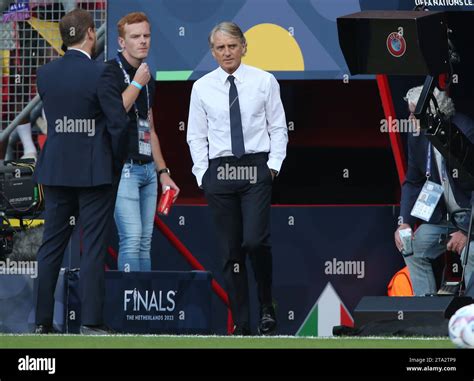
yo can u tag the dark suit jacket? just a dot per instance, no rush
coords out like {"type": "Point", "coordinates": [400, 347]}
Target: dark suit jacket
{"type": "Point", "coordinates": [76, 98]}
{"type": "Point", "coordinates": [416, 175]}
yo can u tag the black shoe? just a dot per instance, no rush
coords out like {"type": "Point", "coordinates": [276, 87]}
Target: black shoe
{"type": "Point", "coordinates": [243, 330]}
{"type": "Point", "coordinates": [95, 330]}
{"type": "Point", "coordinates": [44, 329]}
{"type": "Point", "coordinates": [268, 321]}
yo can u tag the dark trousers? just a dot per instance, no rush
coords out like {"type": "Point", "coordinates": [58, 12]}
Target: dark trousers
{"type": "Point", "coordinates": [240, 202]}
{"type": "Point", "coordinates": [64, 205]}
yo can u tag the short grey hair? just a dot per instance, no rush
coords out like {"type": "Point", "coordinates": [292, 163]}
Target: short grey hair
{"type": "Point", "coordinates": [229, 28]}
{"type": "Point", "coordinates": [445, 103]}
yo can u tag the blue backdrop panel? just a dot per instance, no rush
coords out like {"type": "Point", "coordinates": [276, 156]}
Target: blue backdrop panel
{"type": "Point", "coordinates": [158, 302]}
{"type": "Point", "coordinates": [307, 242]}
{"type": "Point", "coordinates": [180, 29]}
{"type": "Point", "coordinates": [16, 301]}
{"type": "Point", "coordinates": [147, 302]}
{"type": "Point", "coordinates": [312, 247]}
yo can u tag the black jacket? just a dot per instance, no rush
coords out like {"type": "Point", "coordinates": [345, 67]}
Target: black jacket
{"type": "Point", "coordinates": [416, 175]}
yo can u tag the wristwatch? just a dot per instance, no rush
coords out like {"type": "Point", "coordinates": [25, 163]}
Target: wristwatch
{"type": "Point", "coordinates": [164, 170]}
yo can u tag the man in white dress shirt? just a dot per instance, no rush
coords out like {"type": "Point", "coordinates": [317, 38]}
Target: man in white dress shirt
{"type": "Point", "coordinates": [237, 135]}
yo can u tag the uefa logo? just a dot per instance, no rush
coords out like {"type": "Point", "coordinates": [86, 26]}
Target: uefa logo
{"type": "Point", "coordinates": [396, 44]}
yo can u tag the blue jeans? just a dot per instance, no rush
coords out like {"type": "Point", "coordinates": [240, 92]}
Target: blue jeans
{"type": "Point", "coordinates": [426, 248]}
{"type": "Point", "coordinates": [134, 214]}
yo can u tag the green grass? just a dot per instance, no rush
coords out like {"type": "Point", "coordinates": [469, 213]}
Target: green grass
{"type": "Point", "coordinates": [157, 341]}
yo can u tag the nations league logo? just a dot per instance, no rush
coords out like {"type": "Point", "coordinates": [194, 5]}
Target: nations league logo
{"type": "Point", "coordinates": [396, 44]}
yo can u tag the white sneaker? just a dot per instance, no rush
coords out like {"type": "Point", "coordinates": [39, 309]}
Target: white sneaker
{"type": "Point", "coordinates": [30, 155]}
{"type": "Point", "coordinates": [42, 125]}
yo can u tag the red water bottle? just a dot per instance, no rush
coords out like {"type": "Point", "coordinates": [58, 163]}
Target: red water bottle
{"type": "Point", "coordinates": [166, 200]}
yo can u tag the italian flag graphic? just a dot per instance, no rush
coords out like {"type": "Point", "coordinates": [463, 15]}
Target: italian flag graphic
{"type": "Point", "coordinates": [327, 312]}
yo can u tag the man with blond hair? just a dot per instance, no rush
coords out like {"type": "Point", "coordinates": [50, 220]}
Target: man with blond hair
{"type": "Point", "coordinates": [237, 135]}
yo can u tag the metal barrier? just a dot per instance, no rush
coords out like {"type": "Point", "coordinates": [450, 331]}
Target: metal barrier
{"type": "Point", "coordinates": [29, 38]}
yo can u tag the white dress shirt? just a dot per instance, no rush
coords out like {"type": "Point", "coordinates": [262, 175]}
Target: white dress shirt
{"type": "Point", "coordinates": [263, 117]}
{"type": "Point", "coordinates": [451, 203]}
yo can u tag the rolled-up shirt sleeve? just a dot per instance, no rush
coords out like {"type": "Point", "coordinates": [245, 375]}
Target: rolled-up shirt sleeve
{"type": "Point", "coordinates": [197, 136]}
{"type": "Point", "coordinates": [276, 125]}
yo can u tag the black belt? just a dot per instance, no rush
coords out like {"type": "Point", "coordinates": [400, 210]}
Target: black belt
{"type": "Point", "coordinates": [250, 158]}
{"type": "Point", "coordinates": [139, 162]}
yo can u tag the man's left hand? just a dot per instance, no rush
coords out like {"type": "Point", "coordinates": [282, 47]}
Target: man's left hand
{"type": "Point", "coordinates": [272, 171]}
{"type": "Point", "coordinates": [457, 242]}
{"type": "Point", "coordinates": [166, 181]}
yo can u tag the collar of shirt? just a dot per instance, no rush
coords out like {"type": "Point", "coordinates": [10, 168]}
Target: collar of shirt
{"type": "Point", "coordinates": [128, 68]}
{"type": "Point", "coordinates": [80, 50]}
{"type": "Point", "coordinates": [239, 74]}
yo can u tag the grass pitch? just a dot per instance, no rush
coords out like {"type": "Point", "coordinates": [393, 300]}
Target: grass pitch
{"type": "Point", "coordinates": [195, 342]}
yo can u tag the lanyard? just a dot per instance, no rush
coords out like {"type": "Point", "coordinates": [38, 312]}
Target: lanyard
{"type": "Point", "coordinates": [428, 161]}
{"type": "Point", "coordinates": [444, 176]}
{"type": "Point", "coordinates": [127, 81]}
